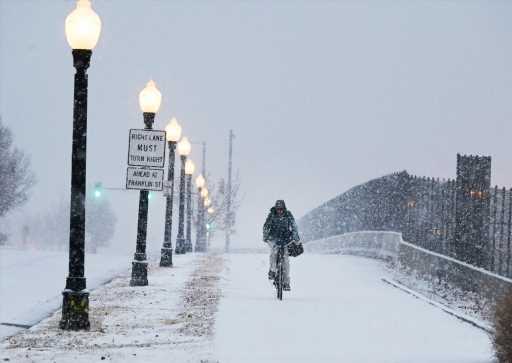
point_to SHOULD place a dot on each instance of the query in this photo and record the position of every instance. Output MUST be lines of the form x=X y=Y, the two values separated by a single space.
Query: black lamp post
x=184 y=148
x=83 y=27
x=149 y=100
x=173 y=134
x=189 y=170
x=200 y=182
x=208 y=211
x=204 y=231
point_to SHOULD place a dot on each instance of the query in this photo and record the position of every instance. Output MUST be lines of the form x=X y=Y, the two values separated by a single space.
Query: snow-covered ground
x=221 y=308
x=171 y=320
x=339 y=310
x=31 y=282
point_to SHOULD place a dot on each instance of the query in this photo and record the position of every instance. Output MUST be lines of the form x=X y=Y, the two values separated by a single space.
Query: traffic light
x=98 y=190
x=210 y=226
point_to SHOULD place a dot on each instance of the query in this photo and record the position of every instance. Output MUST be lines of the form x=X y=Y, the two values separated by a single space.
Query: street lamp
x=189 y=170
x=184 y=149
x=207 y=202
x=211 y=210
x=173 y=134
x=200 y=183
x=83 y=28
x=150 y=99
x=204 y=234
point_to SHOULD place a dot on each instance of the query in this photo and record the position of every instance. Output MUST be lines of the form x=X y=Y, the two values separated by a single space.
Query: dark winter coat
x=280 y=229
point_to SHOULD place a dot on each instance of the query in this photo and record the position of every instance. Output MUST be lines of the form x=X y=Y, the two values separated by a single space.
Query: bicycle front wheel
x=280 y=280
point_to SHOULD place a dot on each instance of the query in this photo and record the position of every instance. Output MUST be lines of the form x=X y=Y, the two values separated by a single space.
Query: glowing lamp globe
x=200 y=181
x=190 y=167
x=173 y=130
x=184 y=147
x=204 y=192
x=207 y=202
x=211 y=210
x=83 y=26
x=150 y=98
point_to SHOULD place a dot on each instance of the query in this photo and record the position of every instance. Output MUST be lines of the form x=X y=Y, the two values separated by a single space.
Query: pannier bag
x=295 y=249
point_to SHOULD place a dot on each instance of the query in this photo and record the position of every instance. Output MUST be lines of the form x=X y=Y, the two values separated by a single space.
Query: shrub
x=502 y=339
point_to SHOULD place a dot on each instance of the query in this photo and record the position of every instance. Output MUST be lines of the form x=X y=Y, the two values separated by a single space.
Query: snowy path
x=338 y=311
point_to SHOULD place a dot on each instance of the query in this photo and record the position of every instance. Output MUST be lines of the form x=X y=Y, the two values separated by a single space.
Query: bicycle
x=279 y=279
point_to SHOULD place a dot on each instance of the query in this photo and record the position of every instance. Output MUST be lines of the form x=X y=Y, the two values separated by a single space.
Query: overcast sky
x=322 y=95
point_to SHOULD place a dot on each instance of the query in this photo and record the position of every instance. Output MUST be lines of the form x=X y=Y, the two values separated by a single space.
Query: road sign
x=144 y=179
x=146 y=148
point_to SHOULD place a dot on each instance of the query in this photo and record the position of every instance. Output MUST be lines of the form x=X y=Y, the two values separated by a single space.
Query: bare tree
x=220 y=217
x=51 y=230
x=100 y=223
x=16 y=178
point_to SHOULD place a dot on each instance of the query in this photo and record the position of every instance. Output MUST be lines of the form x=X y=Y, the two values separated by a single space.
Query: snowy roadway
x=339 y=310
x=223 y=309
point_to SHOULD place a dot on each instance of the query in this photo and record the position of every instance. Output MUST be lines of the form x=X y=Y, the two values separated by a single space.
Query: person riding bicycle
x=280 y=229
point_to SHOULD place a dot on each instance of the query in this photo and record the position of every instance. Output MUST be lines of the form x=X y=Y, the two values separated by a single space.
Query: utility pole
x=204 y=159
x=202 y=219
x=228 y=192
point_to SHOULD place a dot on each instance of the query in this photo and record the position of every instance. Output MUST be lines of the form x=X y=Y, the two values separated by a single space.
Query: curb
x=465 y=318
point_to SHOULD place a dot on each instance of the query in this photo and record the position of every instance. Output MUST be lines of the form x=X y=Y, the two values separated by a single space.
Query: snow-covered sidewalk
x=171 y=320
x=339 y=310
x=31 y=282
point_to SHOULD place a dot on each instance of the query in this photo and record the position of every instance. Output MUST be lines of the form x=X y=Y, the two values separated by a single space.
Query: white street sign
x=146 y=148
x=144 y=179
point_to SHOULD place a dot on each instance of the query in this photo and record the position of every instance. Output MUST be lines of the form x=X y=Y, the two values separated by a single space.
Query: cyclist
x=280 y=229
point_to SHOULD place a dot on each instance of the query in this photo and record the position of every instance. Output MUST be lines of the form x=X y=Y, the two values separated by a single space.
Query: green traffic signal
x=98 y=190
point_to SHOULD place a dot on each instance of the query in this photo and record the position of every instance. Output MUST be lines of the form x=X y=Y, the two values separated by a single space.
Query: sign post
x=146 y=159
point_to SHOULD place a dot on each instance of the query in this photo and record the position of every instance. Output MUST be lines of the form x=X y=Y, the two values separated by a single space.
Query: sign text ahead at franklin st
x=144 y=179
x=146 y=148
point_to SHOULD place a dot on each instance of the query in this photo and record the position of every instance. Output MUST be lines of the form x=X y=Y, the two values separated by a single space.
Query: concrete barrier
x=379 y=245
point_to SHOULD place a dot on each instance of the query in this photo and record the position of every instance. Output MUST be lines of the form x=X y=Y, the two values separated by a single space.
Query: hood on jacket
x=279 y=204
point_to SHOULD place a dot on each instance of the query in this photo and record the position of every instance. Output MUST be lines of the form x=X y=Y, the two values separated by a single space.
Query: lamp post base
x=166 y=257
x=75 y=310
x=180 y=246
x=188 y=247
x=201 y=245
x=139 y=273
